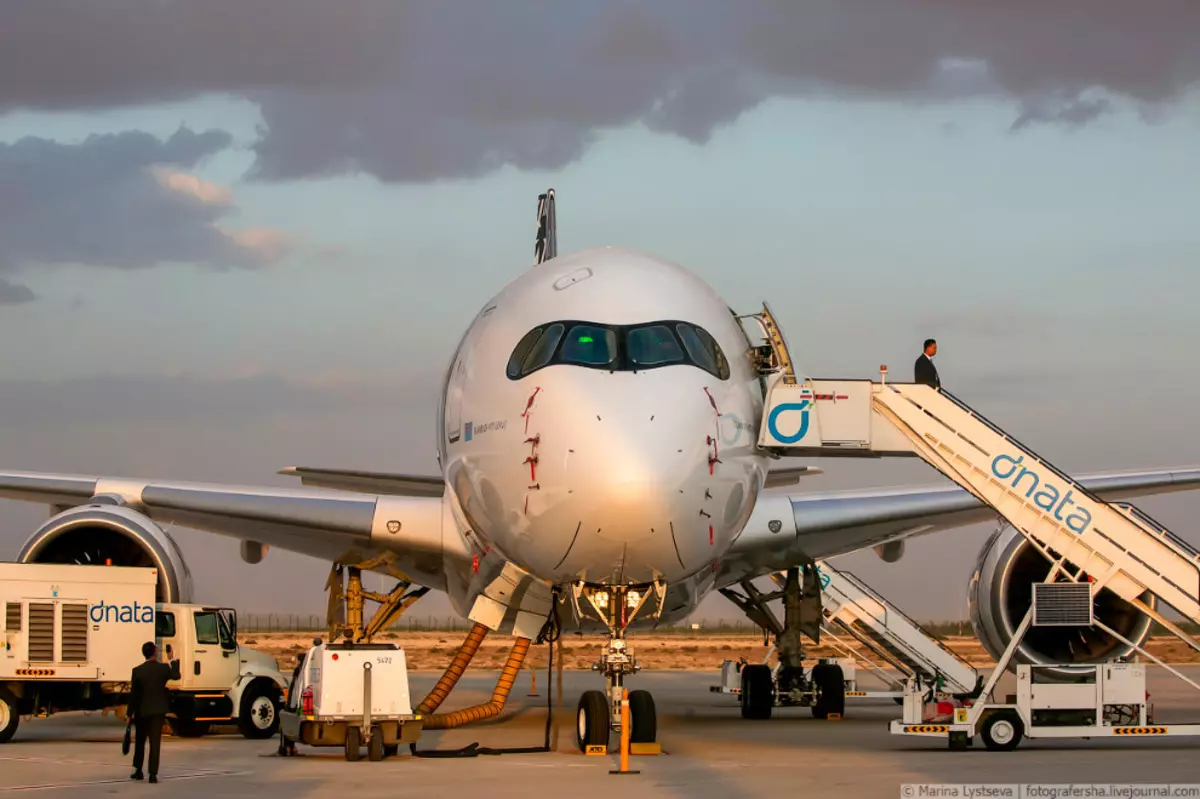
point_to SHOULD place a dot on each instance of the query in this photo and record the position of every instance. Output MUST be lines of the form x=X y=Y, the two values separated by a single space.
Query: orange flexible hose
x=455 y=670
x=457 y=718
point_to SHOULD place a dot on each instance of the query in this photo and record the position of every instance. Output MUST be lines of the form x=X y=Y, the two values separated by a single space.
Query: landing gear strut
x=346 y=602
x=822 y=687
x=599 y=712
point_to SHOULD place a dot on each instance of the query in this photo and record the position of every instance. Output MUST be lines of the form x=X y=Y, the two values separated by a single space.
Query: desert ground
x=432 y=651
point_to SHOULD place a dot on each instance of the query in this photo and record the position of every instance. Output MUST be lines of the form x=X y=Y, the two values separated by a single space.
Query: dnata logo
x=136 y=613
x=1049 y=498
x=773 y=420
x=823 y=576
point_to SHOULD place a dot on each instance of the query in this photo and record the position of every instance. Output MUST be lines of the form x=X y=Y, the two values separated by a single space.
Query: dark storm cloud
x=414 y=92
x=120 y=200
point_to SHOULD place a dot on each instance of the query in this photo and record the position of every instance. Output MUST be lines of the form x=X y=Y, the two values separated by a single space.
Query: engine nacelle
x=106 y=532
x=1001 y=592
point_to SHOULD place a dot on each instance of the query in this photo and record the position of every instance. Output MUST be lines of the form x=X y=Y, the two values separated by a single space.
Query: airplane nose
x=630 y=479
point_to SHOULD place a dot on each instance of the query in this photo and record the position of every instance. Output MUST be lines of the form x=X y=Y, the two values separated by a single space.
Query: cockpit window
x=543 y=350
x=590 y=345
x=617 y=348
x=653 y=345
x=702 y=348
x=517 y=360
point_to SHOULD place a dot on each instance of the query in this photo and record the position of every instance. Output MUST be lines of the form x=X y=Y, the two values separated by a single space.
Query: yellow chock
x=645 y=750
x=596 y=749
x=834 y=717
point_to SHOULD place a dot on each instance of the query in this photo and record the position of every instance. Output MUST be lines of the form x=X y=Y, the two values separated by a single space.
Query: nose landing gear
x=599 y=712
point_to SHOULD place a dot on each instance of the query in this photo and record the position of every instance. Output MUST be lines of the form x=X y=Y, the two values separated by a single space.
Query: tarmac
x=708 y=751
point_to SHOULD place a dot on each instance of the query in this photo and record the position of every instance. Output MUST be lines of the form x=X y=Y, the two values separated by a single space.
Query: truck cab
x=220 y=681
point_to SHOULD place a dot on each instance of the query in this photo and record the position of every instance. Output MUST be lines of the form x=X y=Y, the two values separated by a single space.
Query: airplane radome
x=589 y=422
x=598 y=447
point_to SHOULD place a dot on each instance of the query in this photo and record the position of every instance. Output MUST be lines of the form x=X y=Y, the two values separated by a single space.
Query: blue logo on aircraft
x=137 y=613
x=773 y=420
x=1049 y=498
x=467 y=431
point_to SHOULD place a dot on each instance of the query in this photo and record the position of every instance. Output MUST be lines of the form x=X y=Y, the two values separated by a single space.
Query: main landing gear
x=599 y=712
x=823 y=687
x=345 y=614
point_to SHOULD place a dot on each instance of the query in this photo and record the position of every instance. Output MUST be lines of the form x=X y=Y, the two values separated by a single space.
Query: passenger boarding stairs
x=1110 y=545
x=851 y=606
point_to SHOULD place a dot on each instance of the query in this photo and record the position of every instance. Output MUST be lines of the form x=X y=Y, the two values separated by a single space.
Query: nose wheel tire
x=591 y=722
x=643 y=721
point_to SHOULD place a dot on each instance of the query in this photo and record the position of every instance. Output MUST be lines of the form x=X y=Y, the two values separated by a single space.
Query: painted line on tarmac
x=197 y=775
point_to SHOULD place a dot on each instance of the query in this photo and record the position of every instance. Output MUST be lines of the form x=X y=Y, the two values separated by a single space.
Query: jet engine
x=105 y=532
x=1001 y=592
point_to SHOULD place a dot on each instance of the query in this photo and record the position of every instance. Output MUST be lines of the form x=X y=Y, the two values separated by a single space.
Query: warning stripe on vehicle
x=36 y=672
x=856 y=693
x=1140 y=731
x=928 y=728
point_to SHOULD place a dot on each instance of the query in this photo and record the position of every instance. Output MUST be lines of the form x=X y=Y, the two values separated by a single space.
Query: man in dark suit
x=923 y=370
x=149 y=703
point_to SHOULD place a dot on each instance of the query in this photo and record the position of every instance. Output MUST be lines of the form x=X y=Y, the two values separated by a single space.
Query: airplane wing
x=312 y=522
x=404 y=485
x=415 y=485
x=786 y=530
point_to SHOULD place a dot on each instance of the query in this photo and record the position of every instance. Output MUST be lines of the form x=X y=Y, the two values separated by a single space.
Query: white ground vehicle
x=347 y=695
x=1100 y=700
x=72 y=635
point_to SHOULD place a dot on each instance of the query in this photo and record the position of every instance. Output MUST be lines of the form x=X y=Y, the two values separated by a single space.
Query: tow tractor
x=1089 y=543
x=350 y=694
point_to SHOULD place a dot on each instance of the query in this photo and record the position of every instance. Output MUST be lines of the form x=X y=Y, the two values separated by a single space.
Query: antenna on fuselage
x=546 y=246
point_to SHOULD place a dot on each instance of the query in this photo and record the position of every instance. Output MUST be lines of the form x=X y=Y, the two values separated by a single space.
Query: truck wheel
x=185 y=728
x=9 y=717
x=258 y=716
x=353 y=742
x=758 y=691
x=592 y=722
x=375 y=746
x=831 y=690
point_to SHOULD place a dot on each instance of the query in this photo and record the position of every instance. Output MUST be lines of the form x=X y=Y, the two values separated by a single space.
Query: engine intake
x=106 y=533
x=1001 y=592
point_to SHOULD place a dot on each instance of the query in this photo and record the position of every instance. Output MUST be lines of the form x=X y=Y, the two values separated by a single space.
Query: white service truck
x=72 y=634
x=347 y=694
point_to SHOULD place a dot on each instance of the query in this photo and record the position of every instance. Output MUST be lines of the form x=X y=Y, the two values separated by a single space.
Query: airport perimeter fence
x=296 y=623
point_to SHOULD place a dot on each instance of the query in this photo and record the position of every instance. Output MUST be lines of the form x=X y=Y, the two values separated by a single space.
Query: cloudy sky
x=239 y=234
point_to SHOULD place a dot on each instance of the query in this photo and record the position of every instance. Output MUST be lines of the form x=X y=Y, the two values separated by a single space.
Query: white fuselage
x=603 y=466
